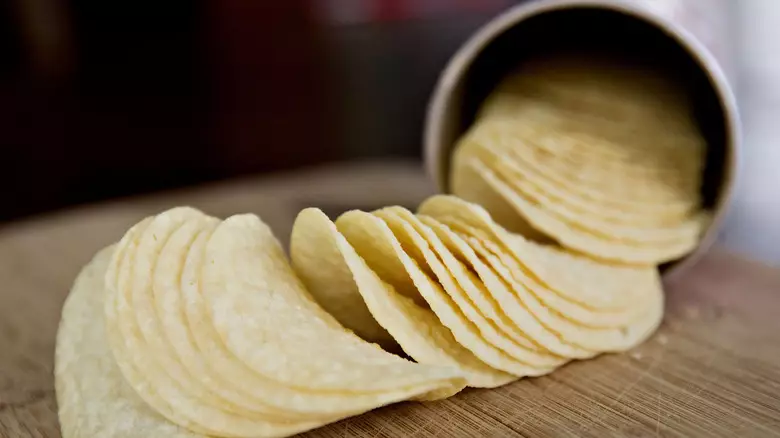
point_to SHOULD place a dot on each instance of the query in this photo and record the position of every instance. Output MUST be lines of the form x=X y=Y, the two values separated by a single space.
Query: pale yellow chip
x=589 y=338
x=598 y=91
x=416 y=329
x=593 y=149
x=525 y=354
x=656 y=135
x=126 y=340
x=154 y=373
x=163 y=382
x=516 y=309
x=525 y=309
x=229 y=391
x=579 y=279
x=529 y=178
x=319 y=263
x=574 y=237
x=321 y=404
x=93 y=398
x=375 y=242
x=604 y=161
x=253 y=293
x=560 y=131
x=686 y=230
x=467 y=184
x=628 y=207
x=614 y=338
x=651 y=195
x=502 y=261
x=508 y=328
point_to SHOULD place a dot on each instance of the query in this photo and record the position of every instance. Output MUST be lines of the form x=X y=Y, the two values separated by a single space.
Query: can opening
x=614 y=34
x=586 y=29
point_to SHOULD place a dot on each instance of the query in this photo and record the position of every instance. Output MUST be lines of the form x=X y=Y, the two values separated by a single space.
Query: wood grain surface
x=713 y=369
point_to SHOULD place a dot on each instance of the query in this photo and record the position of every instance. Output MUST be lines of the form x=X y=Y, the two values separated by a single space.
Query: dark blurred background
x=106 y=99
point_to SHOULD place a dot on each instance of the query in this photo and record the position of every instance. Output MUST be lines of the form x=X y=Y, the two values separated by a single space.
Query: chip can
x=684 y=38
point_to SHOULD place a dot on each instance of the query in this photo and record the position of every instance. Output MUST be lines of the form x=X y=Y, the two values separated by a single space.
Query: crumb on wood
x=662 y=339
x=636 y=355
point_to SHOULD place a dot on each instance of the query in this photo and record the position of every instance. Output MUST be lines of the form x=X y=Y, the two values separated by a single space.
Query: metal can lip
x=447 y=95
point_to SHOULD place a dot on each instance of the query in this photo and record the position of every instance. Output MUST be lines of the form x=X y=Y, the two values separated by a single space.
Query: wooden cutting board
x=713 y=369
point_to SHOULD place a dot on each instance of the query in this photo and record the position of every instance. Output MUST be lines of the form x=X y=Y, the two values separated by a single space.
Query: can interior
x=607 y=33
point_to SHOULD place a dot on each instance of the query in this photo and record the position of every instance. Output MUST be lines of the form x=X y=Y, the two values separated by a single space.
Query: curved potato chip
x=593 y=149
x=175 y=335
x=467 y=184
x=326 y=275
x=93 y=398
x=518 y=347
x=685 y=230
x=174 y=286
x=568 y=343
x=620 y=142
x=615 y=338
x=154 y=375
x=375 y=242
x=252 y=292
x=578 y=279
x=416 y=329
x=597 y=91
x=484 y=299
x=587 y=316
x=524 y=173
x=627 y=203
x=321 y=404
x=571 y=236
x=651 y=198
x=524 y=354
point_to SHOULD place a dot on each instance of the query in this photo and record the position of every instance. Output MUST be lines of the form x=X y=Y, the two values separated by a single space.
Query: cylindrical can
x=624 y=28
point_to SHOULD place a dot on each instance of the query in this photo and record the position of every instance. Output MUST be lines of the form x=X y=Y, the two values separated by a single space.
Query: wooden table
x=713 y=369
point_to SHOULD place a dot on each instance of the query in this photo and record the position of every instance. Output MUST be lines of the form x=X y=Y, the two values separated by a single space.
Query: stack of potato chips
x=604 y=161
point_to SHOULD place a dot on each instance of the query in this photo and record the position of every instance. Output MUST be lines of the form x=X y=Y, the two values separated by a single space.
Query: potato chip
x=685 y=230
x=252 y=292
x=501 y=261
x=416 y=329
x=231 y=383
x=319 y=263
x=587 y=176
x=593 y=338
x=176 y=335
x=579 y=279
x=93 y=398
x=222 y=361
x=593 y=146
x=465 y=289
x=524 y=305
x=470 y=186
x=603 y=160
x=574 y=237
x=600 y=89
x=551 y=130
x=155 y=376
x=375 y=242
x=517 y=334
x=123 y=337
x=521 y=172
x=609 y=187
x=187 y=400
